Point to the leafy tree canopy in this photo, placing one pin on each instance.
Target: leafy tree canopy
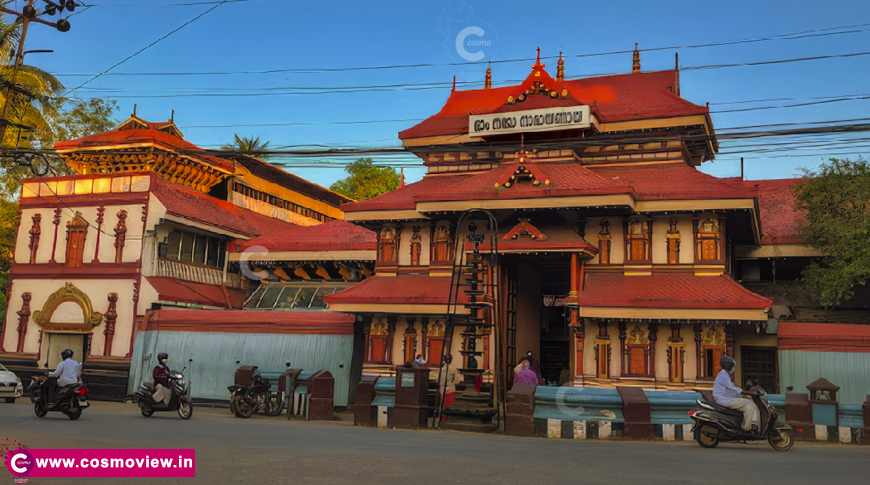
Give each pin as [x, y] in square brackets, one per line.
[366, 180]
[836, 199]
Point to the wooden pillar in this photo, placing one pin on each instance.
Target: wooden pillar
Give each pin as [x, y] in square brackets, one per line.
[111, 316]
[653, 336]
[578, 354]
[676, 355]
[602, 352]
[23, 318]
[410, 339]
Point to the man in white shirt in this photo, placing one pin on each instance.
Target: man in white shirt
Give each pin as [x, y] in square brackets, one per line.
[69, 371]
[731, 396]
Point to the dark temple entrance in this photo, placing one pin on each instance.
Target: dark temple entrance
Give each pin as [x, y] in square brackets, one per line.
[759, 363]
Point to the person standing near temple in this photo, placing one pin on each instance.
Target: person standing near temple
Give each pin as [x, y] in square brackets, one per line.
[447, 379]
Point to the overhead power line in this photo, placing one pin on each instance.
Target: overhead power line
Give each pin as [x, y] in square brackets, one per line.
[146, 47]
[852, 29]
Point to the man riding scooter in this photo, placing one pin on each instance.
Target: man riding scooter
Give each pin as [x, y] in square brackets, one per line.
[731, 396]
[160, 375]
[68, 374]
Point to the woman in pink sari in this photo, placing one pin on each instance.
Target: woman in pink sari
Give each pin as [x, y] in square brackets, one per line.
[525, 375]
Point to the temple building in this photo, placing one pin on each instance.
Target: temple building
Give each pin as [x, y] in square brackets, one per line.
[567, 218]
[137, 241]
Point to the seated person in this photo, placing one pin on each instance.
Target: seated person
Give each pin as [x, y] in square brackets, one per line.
[160, 375]
[727, 394]
[68, 373]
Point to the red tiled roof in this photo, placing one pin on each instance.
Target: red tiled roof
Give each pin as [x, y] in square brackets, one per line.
[252, 321]
[405, 289]
[330, 236]
[403, 198]
[668, 290]
[673, 181]
[188, 203]
[143, 136]
[614, 98]
[562, 179]
[557, 236]
[776, 203]
[171, 289]
[823, 337]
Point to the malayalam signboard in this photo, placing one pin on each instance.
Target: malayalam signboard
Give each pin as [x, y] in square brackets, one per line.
[546, 119]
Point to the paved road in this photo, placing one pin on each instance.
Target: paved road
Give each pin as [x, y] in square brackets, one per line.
[274, 450]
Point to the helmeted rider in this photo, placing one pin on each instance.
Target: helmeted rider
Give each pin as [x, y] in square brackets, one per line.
[68, 372]
[731, 396]
[160, 375]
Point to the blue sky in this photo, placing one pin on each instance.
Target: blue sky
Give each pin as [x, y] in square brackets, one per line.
[258, 35]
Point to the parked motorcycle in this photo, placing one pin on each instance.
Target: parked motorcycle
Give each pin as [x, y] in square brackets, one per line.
[70, 401]
[714, 423]
[245, 401]
[179, 399]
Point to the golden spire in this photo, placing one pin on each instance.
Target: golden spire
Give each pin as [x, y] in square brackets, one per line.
[487, 83]
[560, 69]
[538, 60]
[453, 90]
[635, 63]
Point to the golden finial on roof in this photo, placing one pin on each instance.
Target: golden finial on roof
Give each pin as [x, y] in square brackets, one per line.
[487, 83]
[560, 69]
[538, 60]
[635, 63]
[454, 84]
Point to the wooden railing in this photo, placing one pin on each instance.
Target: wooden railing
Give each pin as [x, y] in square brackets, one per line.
[196, 273]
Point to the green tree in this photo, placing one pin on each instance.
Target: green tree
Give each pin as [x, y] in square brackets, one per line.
[836, 200]
[367, 181]
[249, 146]
[44, 88]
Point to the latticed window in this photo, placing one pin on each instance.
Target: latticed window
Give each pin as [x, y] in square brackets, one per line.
[638, 236]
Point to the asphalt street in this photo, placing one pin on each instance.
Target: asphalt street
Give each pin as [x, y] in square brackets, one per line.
[274, 450]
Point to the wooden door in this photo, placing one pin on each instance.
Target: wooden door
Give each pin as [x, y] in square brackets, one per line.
[57, 342]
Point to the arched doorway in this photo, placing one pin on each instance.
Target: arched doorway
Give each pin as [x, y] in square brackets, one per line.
[67, 320]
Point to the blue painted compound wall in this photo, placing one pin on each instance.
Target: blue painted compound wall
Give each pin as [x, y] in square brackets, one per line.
[215, 354]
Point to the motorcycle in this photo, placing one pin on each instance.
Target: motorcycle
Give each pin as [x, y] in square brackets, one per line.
[714, 423]
[245, 401]
[179, 399]
[70, 401]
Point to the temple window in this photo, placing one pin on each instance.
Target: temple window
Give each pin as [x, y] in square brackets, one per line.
[193, 248]
[442, 244]
[77, 231]
[280, 203]
[388, 244]
[708, 240]
[638, 234]
[638, 353]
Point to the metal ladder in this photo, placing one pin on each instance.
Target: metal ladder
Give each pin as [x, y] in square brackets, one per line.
[474, 287]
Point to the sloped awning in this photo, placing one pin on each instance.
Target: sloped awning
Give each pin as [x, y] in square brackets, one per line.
[253, 321]
[670, 296]
[406, 294]
[175, 290]
[823, 337]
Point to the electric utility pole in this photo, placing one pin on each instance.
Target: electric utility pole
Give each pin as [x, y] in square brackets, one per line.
[30, 14]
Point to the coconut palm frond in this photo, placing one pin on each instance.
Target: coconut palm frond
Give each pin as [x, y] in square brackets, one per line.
[47, 79]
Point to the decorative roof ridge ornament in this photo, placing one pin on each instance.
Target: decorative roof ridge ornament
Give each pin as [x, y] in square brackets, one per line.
[538, 65]
[524, 228]
[635, 61]
[560, 69]
[453, 89]
[487, 83]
